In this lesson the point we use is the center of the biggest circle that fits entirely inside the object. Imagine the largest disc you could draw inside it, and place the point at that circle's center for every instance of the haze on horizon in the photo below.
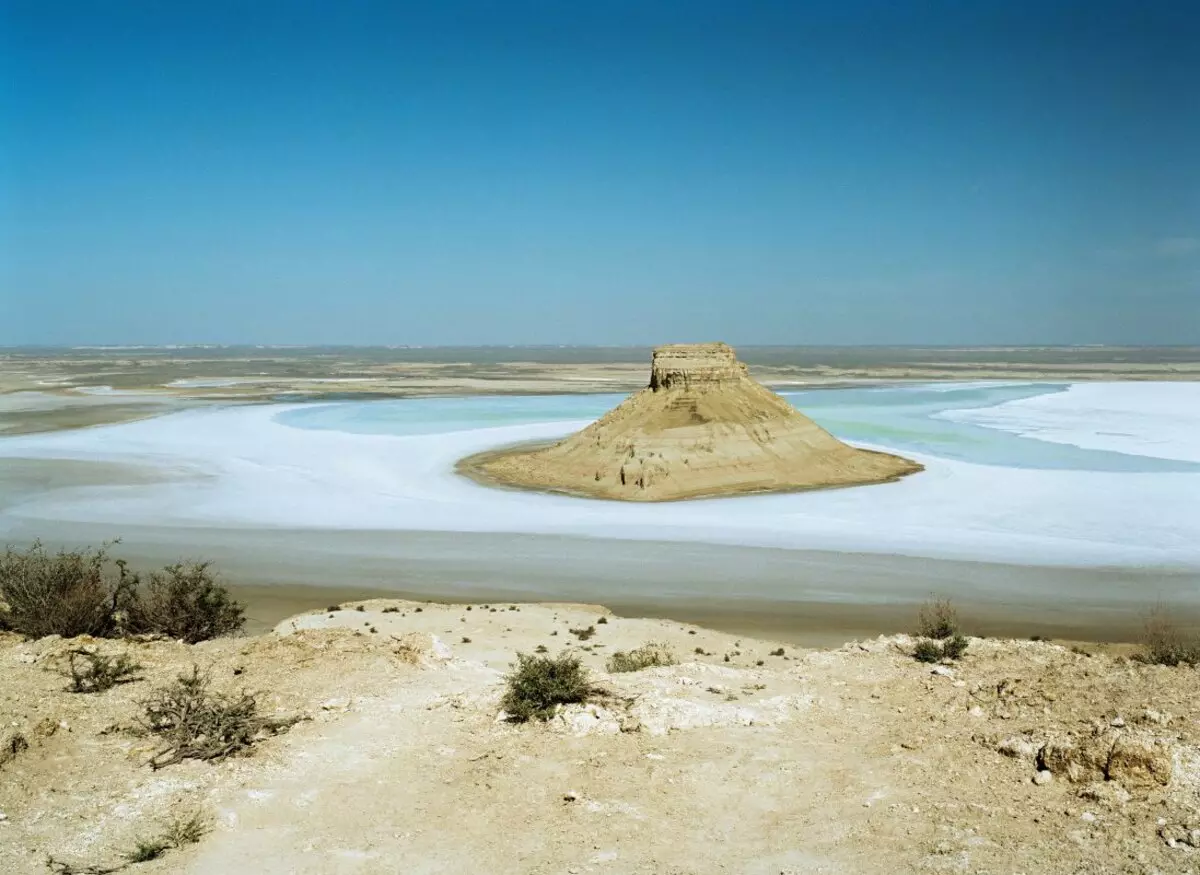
(614, 174)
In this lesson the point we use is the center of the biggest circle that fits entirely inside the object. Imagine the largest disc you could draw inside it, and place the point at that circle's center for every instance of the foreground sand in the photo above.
(854, 760)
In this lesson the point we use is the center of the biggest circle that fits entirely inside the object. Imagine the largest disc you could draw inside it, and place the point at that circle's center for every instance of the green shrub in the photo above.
(928, 650)
(537, 685)
(954, 648)
(938, 619)
(95, 672)
(145, 850)
(184, 601)
(649, 655)
(187, 830)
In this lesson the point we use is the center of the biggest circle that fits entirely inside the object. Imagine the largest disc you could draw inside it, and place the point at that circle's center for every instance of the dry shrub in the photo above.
(181, 830)
(938, 619)
(537, 685)
(80, 592)
(649, 655)
(11, 746)
(184, 601)
(1164, 643)
(68, 593)
(196, 722)
(94, 672)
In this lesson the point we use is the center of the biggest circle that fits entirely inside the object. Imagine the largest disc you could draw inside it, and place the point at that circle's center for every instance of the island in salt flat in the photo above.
(701, 428)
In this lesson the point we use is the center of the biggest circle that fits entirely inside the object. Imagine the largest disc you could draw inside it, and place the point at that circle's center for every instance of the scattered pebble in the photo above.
(1043, 777)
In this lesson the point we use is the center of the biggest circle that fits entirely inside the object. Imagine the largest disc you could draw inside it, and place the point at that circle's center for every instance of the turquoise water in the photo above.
(902, 418)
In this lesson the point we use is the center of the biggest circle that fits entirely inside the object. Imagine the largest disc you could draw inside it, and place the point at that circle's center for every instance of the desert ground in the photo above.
(748, 756)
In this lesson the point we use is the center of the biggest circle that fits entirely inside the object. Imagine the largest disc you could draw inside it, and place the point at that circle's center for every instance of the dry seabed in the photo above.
(852, 760)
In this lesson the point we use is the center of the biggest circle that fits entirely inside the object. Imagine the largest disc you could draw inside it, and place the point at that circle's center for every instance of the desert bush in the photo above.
(145, 850)
(1164, 643)
(181, 830)
(938, 619)
(583, 634)
(185, 601)
(80, 592)
(649, 655)
(68, 593)
(12, 744)
(537, 685)
(187, 829)
(95, 672)
(195, 722)
(954, 648)
(928, 650)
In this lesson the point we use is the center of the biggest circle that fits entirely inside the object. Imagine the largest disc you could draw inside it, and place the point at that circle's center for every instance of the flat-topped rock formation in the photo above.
(702, 427)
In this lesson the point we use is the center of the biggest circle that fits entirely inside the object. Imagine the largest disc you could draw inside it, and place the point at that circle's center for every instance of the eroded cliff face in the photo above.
(685, 365)
(702, 427)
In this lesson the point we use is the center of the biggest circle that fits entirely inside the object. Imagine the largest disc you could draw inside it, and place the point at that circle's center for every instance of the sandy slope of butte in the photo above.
(702, 427)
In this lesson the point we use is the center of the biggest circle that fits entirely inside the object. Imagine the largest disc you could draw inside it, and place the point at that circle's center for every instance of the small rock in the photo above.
(1117, 721)
(3, 817)
(1140, 762)
(1018, 748)
(1109, 793)
(1156, 717)
(1080, 763)
(1043, 777)
(335, 705)
(1088, 817)
(570, 796)
(975, 711)
(942, 671)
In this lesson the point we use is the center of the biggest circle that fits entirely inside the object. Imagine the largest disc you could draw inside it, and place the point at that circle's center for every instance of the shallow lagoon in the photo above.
(1090, 475)
(904, 419)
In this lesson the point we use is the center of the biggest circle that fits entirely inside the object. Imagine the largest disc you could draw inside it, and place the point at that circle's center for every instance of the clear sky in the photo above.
(281, 171)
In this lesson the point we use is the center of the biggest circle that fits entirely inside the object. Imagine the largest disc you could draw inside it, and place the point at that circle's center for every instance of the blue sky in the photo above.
(964, 172)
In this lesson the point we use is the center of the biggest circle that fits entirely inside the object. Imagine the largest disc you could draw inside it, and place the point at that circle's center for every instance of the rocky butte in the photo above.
(701, 428)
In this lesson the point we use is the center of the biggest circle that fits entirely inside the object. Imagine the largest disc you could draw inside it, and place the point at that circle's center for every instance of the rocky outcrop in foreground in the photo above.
(702, 427)
(743, 756)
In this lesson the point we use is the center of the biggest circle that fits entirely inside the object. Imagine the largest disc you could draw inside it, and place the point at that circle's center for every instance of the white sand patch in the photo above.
(263, 473)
